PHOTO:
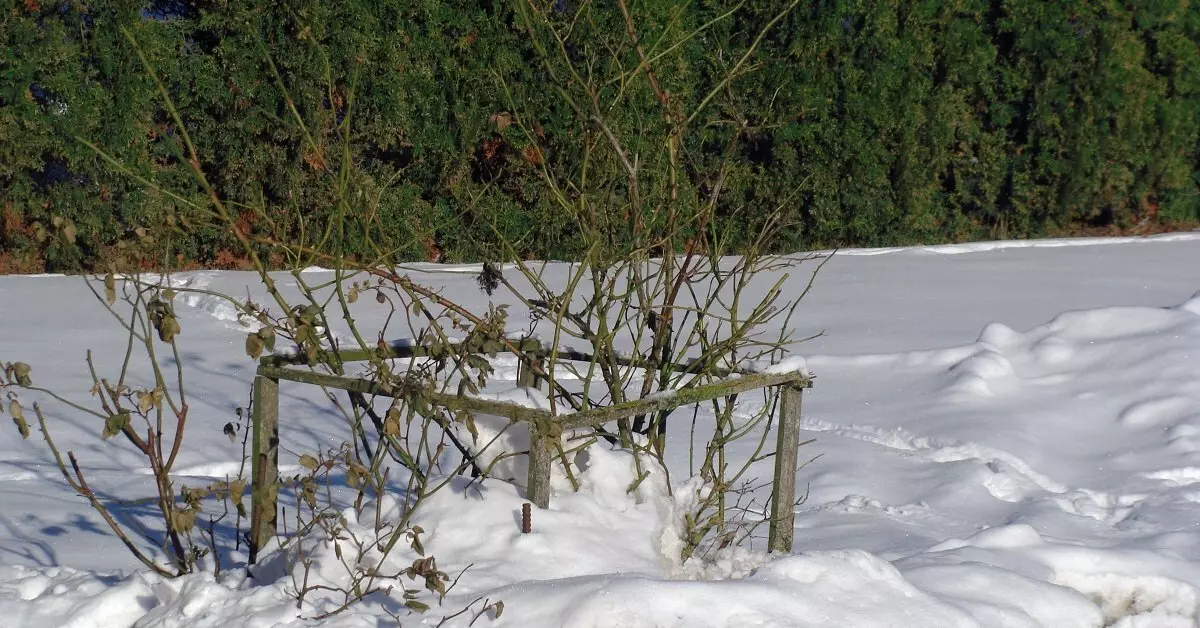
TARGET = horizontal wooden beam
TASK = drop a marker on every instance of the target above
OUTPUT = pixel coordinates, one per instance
(734, 385)
(681, 397)
(691, 366)
(453, 402)
(399, 349)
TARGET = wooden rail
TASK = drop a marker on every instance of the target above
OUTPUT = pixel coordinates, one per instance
(543, 425)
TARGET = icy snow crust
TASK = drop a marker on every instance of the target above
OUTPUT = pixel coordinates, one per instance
(1008, 436)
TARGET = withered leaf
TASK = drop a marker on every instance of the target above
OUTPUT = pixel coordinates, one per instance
(308, 462)
(110, 288)
(18, 417)
(254, 346)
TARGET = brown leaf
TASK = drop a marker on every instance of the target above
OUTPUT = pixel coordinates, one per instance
(254, 346)
(391, 422)
(472, 428)
(21, 371)
(110, 288)
(183, 520)
(145, 401)
(500, 120)
(237, 488)
(18, 416)
(267, 335)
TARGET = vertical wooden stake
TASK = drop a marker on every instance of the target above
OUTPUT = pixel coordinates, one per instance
(783, 492)
(264, 422)
(525, 374)
(537, 487)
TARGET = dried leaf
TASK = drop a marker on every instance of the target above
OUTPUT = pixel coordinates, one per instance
(308, 491)
(497, 609)
(267, 335)
(417, 606)
(166, 323)
(308, 462)
(434, 583)
(500, 120)
(254, 346)
(110, 288)
(145, 401)
(423, 566)
(417, 546)
(391, 422)
(310, 313)
(230, 431)
(69, 230)
(183, 520)
(18, 417)
(237, 488)
(354, 476)
(472, 428)
(21, 372)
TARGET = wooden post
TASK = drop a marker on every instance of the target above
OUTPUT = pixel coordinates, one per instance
(264, 462)
(541, 445)
(783, 492)
(525, 375)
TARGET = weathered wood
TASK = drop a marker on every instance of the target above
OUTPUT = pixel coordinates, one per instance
(264, 422)
(541, 424)
(396, 350)
(783, 491)
(400, 349)
(688, 366)
(680, 397)
(453, 402)
(541, 449)
(527, 376)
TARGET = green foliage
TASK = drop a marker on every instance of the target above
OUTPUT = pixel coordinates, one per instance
(876, 123)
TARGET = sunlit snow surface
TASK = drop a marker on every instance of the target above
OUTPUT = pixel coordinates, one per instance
(1007, 434)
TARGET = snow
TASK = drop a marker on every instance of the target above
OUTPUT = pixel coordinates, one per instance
(790, 364)
(1006, 435)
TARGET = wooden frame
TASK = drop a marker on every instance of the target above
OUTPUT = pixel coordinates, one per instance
(542, 424)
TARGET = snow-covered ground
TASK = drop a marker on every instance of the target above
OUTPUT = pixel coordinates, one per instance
(1007, 434)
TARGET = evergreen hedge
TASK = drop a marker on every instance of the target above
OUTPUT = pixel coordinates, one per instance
(879, 123)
